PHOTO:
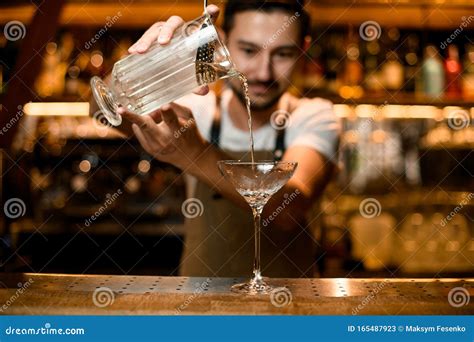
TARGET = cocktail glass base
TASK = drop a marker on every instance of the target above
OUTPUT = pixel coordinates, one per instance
(253, 287)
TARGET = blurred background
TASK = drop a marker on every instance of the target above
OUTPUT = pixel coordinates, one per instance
(79, 198)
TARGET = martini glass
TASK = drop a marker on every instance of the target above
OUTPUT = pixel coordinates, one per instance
(256, 182)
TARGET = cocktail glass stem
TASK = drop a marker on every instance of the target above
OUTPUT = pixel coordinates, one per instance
(257, 217)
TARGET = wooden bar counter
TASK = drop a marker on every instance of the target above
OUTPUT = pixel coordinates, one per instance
(61, 294)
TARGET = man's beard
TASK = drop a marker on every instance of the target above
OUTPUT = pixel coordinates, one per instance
(254, 106)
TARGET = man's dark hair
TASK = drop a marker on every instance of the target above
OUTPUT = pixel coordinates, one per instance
(289, 6)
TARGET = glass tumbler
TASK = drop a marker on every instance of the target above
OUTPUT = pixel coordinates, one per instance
(142, 83)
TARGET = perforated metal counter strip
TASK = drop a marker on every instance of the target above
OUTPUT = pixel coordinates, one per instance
(102, 294)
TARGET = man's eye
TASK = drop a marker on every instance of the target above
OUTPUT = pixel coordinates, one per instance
(248, 51)
(285, 54)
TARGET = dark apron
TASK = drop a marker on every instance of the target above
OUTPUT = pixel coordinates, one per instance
(220, 242)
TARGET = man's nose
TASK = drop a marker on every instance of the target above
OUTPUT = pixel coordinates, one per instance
(264, 67)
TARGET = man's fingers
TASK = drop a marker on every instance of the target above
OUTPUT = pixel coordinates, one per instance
(203, 90)
(168, 29)
(163, 31)
(213, 11)
(133, 118)
(169, 117)
(156, 116)
(148, 38)
(141, 138)
(145, 122)
(181, 112)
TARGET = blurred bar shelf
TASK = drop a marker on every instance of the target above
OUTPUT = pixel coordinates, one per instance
(59, 294)
(394, 98)
(410, 14)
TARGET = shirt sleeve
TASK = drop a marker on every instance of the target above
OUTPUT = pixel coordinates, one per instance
(313, 124)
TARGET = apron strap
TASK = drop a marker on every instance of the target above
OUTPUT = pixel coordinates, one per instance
(215, 133)
(216, 124)
(279, 145)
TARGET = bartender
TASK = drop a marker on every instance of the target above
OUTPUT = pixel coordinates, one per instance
(265, 41)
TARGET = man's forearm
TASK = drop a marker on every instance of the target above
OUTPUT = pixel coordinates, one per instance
(205, 168)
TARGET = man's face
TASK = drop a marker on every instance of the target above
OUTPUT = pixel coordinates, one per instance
(264, 47)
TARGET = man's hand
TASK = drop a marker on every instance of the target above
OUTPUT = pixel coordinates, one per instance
(169, 134)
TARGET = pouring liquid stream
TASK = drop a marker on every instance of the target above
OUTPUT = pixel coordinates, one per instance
(210, 72)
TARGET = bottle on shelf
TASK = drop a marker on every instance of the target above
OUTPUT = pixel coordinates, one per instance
(453, 71)
(432, 72)
(353, 72)
(313, 69)
(468, 75)
(411, 64)
(372, 77)
(392, 71)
